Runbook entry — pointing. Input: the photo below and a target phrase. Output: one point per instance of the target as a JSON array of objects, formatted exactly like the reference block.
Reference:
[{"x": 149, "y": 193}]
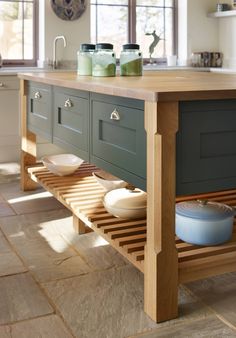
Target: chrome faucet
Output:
[{"x": 54, "y": 61}]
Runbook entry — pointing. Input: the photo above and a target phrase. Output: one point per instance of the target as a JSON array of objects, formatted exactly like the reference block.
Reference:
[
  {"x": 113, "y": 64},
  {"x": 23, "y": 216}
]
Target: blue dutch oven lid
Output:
[{"x": 203, "y": 209}]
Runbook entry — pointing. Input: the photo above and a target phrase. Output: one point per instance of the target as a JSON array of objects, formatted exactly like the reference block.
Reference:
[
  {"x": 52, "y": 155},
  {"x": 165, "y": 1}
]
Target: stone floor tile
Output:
[
  {"x": 21, "y": 298},
  {"x": 93, "y": 248},
  {"x": 41, "y": 202},
  {"x": 11, "y": 189},
  {"x": 97, "y": 252},
  {"x": 24, "y": 202},
  {"x": 45, "y": 252},
  {"x": 4, "y": 246},
  {"x": 110, "y": 303},
  {"x": 1, "y": 198},
  {"x": 210, "y": 327},
  {"x": 219, "y": 293},
  {"x": 44, "y": 327},
  {"x": 32, "y": 226},
  {"x": 10, "y": 264},
  {"x": 6, "y": 210}
]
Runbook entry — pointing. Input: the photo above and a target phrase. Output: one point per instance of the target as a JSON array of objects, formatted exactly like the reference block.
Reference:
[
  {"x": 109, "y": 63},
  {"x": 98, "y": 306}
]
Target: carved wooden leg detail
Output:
[
  {"x": 28, "y": 142},
  {"x": 79, "y": 225},
  {"x": 161, "y": 259}
]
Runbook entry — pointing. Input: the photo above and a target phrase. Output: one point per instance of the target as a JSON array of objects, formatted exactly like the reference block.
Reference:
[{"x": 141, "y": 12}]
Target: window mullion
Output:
[
  {"x": 132, "y": 21},
  {"x": 23, "y": 28}
]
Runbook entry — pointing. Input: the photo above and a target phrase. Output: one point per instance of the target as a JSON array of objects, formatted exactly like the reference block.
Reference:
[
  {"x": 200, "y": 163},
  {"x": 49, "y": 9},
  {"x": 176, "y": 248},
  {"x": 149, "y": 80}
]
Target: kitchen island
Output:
[{"x": 128, "y": 126}]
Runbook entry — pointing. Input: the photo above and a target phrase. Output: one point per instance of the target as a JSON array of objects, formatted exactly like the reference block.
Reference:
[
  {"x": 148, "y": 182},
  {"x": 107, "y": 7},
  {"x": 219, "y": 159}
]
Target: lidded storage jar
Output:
[
  {"x": 85, "y": 59},
  {"x": 131, "y": 62},
  {"x": 104, "y": 60}
]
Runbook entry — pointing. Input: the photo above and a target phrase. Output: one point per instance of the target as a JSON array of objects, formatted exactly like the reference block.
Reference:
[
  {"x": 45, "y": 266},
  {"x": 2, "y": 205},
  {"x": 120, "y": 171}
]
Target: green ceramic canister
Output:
[
  {"x": 131, "y": 61},
  {"x": 104, "y": 60}
]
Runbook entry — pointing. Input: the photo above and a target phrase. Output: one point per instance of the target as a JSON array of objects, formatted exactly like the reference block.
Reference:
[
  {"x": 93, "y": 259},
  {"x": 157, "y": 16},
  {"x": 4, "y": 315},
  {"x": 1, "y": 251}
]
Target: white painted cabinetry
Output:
[{"x": 9, "y": 119}]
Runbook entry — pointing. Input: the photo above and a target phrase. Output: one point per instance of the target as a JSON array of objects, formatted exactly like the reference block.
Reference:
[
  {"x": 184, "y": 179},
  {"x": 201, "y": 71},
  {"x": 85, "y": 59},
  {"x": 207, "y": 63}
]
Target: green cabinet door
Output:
[
  {"x": 118, "y": 137},
  {"x": 71, "y": 121},
  {"x": 206, "y": 146},
  {"x": 39, "y": 112}
]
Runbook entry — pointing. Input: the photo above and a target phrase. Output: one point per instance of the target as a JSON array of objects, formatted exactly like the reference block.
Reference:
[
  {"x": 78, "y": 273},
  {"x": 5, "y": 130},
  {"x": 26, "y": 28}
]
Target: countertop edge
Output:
[{"x": 151, "y": 87}]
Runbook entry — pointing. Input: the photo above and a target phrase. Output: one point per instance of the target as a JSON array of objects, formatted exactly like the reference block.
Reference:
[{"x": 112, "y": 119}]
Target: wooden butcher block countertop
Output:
[{"x": 152, "y": 86}]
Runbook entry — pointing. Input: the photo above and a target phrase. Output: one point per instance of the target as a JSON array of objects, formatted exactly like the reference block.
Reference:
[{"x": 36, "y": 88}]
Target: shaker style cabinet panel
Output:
[
  {"x": 118, "y": 137},
  {"x": 206, "y": 146},
  {"x": 39, "y": 118},
  {"x": 71, "y": 121}
]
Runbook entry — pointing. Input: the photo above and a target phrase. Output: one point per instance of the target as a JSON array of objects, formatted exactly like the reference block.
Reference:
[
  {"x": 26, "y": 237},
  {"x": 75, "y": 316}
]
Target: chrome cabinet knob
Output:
[
  {"x": 68, "y": 103},
  {"x": 2, "y": 84},
  {"x": 115, "y": 115},
  {"x": 37, "y": 95}
]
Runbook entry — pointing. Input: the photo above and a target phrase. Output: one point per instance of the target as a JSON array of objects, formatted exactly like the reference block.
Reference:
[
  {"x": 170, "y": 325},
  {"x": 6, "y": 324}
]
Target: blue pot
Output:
[{"x": 204, "y": 222}]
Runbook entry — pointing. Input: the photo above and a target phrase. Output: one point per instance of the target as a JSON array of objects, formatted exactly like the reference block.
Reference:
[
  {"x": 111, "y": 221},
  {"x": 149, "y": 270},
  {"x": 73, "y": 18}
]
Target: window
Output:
[
  {"x": 123, "y": 21},
  {"x": 18, "y": 31}
]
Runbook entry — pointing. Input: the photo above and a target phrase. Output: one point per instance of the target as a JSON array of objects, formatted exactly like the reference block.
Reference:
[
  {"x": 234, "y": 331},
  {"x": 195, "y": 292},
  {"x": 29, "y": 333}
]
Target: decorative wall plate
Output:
[{"x": 68, "y": 9}]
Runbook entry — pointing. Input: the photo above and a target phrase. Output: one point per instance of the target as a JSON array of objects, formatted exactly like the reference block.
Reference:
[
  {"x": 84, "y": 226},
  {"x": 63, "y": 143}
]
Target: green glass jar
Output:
[
  {"x": 104, "y": 60},
  {"x": 131, "y": 61},
  {"x": 84, "y": 57}
]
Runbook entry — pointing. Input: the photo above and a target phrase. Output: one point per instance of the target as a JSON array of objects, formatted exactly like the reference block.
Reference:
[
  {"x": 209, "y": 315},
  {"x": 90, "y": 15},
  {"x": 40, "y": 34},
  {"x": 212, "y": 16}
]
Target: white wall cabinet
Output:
[{"x": 9, "y": 119}]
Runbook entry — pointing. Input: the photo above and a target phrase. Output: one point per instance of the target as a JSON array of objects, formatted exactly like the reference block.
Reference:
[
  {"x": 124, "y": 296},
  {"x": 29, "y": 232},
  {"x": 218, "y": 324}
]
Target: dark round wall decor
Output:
[{"x": 68, "y": 9}]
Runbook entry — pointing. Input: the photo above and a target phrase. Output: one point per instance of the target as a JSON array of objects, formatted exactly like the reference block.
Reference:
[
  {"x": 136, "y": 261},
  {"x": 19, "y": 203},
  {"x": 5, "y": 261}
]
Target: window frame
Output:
[
  {"x": 30, "y": 62},
  {"x": 132, "y": 28}
]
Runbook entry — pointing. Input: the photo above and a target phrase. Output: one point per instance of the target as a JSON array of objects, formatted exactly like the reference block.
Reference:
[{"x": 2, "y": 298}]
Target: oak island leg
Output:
[
  {"x": 78, "y": 225},
  {"x": 28, "y": 142},
  {"x": 161, "y": 259}
]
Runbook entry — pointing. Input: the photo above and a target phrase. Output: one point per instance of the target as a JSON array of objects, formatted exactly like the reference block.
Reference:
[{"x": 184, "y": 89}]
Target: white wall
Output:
[
  {"x": 210, "y": 34},
  {"x": 196, "y": 31},
  {"x": 227, "y": 40},
  {"x": 76, "y": 32}
]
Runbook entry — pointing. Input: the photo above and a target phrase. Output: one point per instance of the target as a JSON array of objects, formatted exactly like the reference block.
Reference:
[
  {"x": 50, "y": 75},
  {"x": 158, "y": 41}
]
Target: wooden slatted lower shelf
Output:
[{"x": 82, "y": 194}]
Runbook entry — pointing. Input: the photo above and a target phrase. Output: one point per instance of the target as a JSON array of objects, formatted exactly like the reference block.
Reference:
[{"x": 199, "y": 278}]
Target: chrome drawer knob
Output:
[
  {"x": 2, "y": 84},
  {"x": 37, "y": 95},
  {"x": 68, "y": 103},
  {"x": 115, "y": 115}
]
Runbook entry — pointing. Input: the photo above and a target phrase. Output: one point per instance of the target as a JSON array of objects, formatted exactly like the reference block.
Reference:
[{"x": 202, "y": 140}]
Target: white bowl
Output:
[
  {"x": 62, "y": 164},
  {"x": 108, "y": 181}
]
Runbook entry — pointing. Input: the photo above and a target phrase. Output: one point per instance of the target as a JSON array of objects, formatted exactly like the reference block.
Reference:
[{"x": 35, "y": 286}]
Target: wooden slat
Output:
[
  {"x": 200, "y": 252},
  {"x": 131, "y": 239},
  {"x": 134, "y": 247},
  {"x": 138, "y": 255},
  {"x": 127, "y": 232},
  {"x": 206, "y": 267},
  {"x": 122, "y": 226}
]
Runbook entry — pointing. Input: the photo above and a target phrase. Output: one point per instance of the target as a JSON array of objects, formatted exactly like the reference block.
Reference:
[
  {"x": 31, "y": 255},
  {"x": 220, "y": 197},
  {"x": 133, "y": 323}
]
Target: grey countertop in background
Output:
[{"x": 15, "y": 70}]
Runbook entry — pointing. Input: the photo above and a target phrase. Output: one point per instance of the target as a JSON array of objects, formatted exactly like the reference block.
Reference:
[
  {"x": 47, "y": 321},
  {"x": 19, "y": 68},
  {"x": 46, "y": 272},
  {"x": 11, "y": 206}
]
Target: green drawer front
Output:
[
  {"x": 70, "y": 126},
  {"x": 121, "y": 142},
  {"x": 39, "y": 117},
  {"x": 206, "y": 146}
]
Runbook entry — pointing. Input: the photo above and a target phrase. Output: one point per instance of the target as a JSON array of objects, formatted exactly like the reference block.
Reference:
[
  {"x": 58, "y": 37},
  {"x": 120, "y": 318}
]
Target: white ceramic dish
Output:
[
  {"x": 125, "y": 203},
  {"x": 126, "y": 213},
  {"x": 62, "y": 164},
  {"x": 108, "y": 181}
]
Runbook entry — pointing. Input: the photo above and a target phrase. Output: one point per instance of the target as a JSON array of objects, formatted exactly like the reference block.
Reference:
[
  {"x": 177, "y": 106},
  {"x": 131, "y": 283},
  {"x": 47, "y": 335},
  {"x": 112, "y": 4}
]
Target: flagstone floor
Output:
[{"x": 56, "y": 284}]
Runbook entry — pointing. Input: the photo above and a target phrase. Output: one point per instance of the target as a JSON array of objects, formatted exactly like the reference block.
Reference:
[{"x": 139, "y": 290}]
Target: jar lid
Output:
[
  {"x": 126, "y": 199},
  {"x": 86, "y": 46},
  {"x": 203, "y": 209},
  {"x": 104, "y": 46},
  {"x": 131, "y": 46}
]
